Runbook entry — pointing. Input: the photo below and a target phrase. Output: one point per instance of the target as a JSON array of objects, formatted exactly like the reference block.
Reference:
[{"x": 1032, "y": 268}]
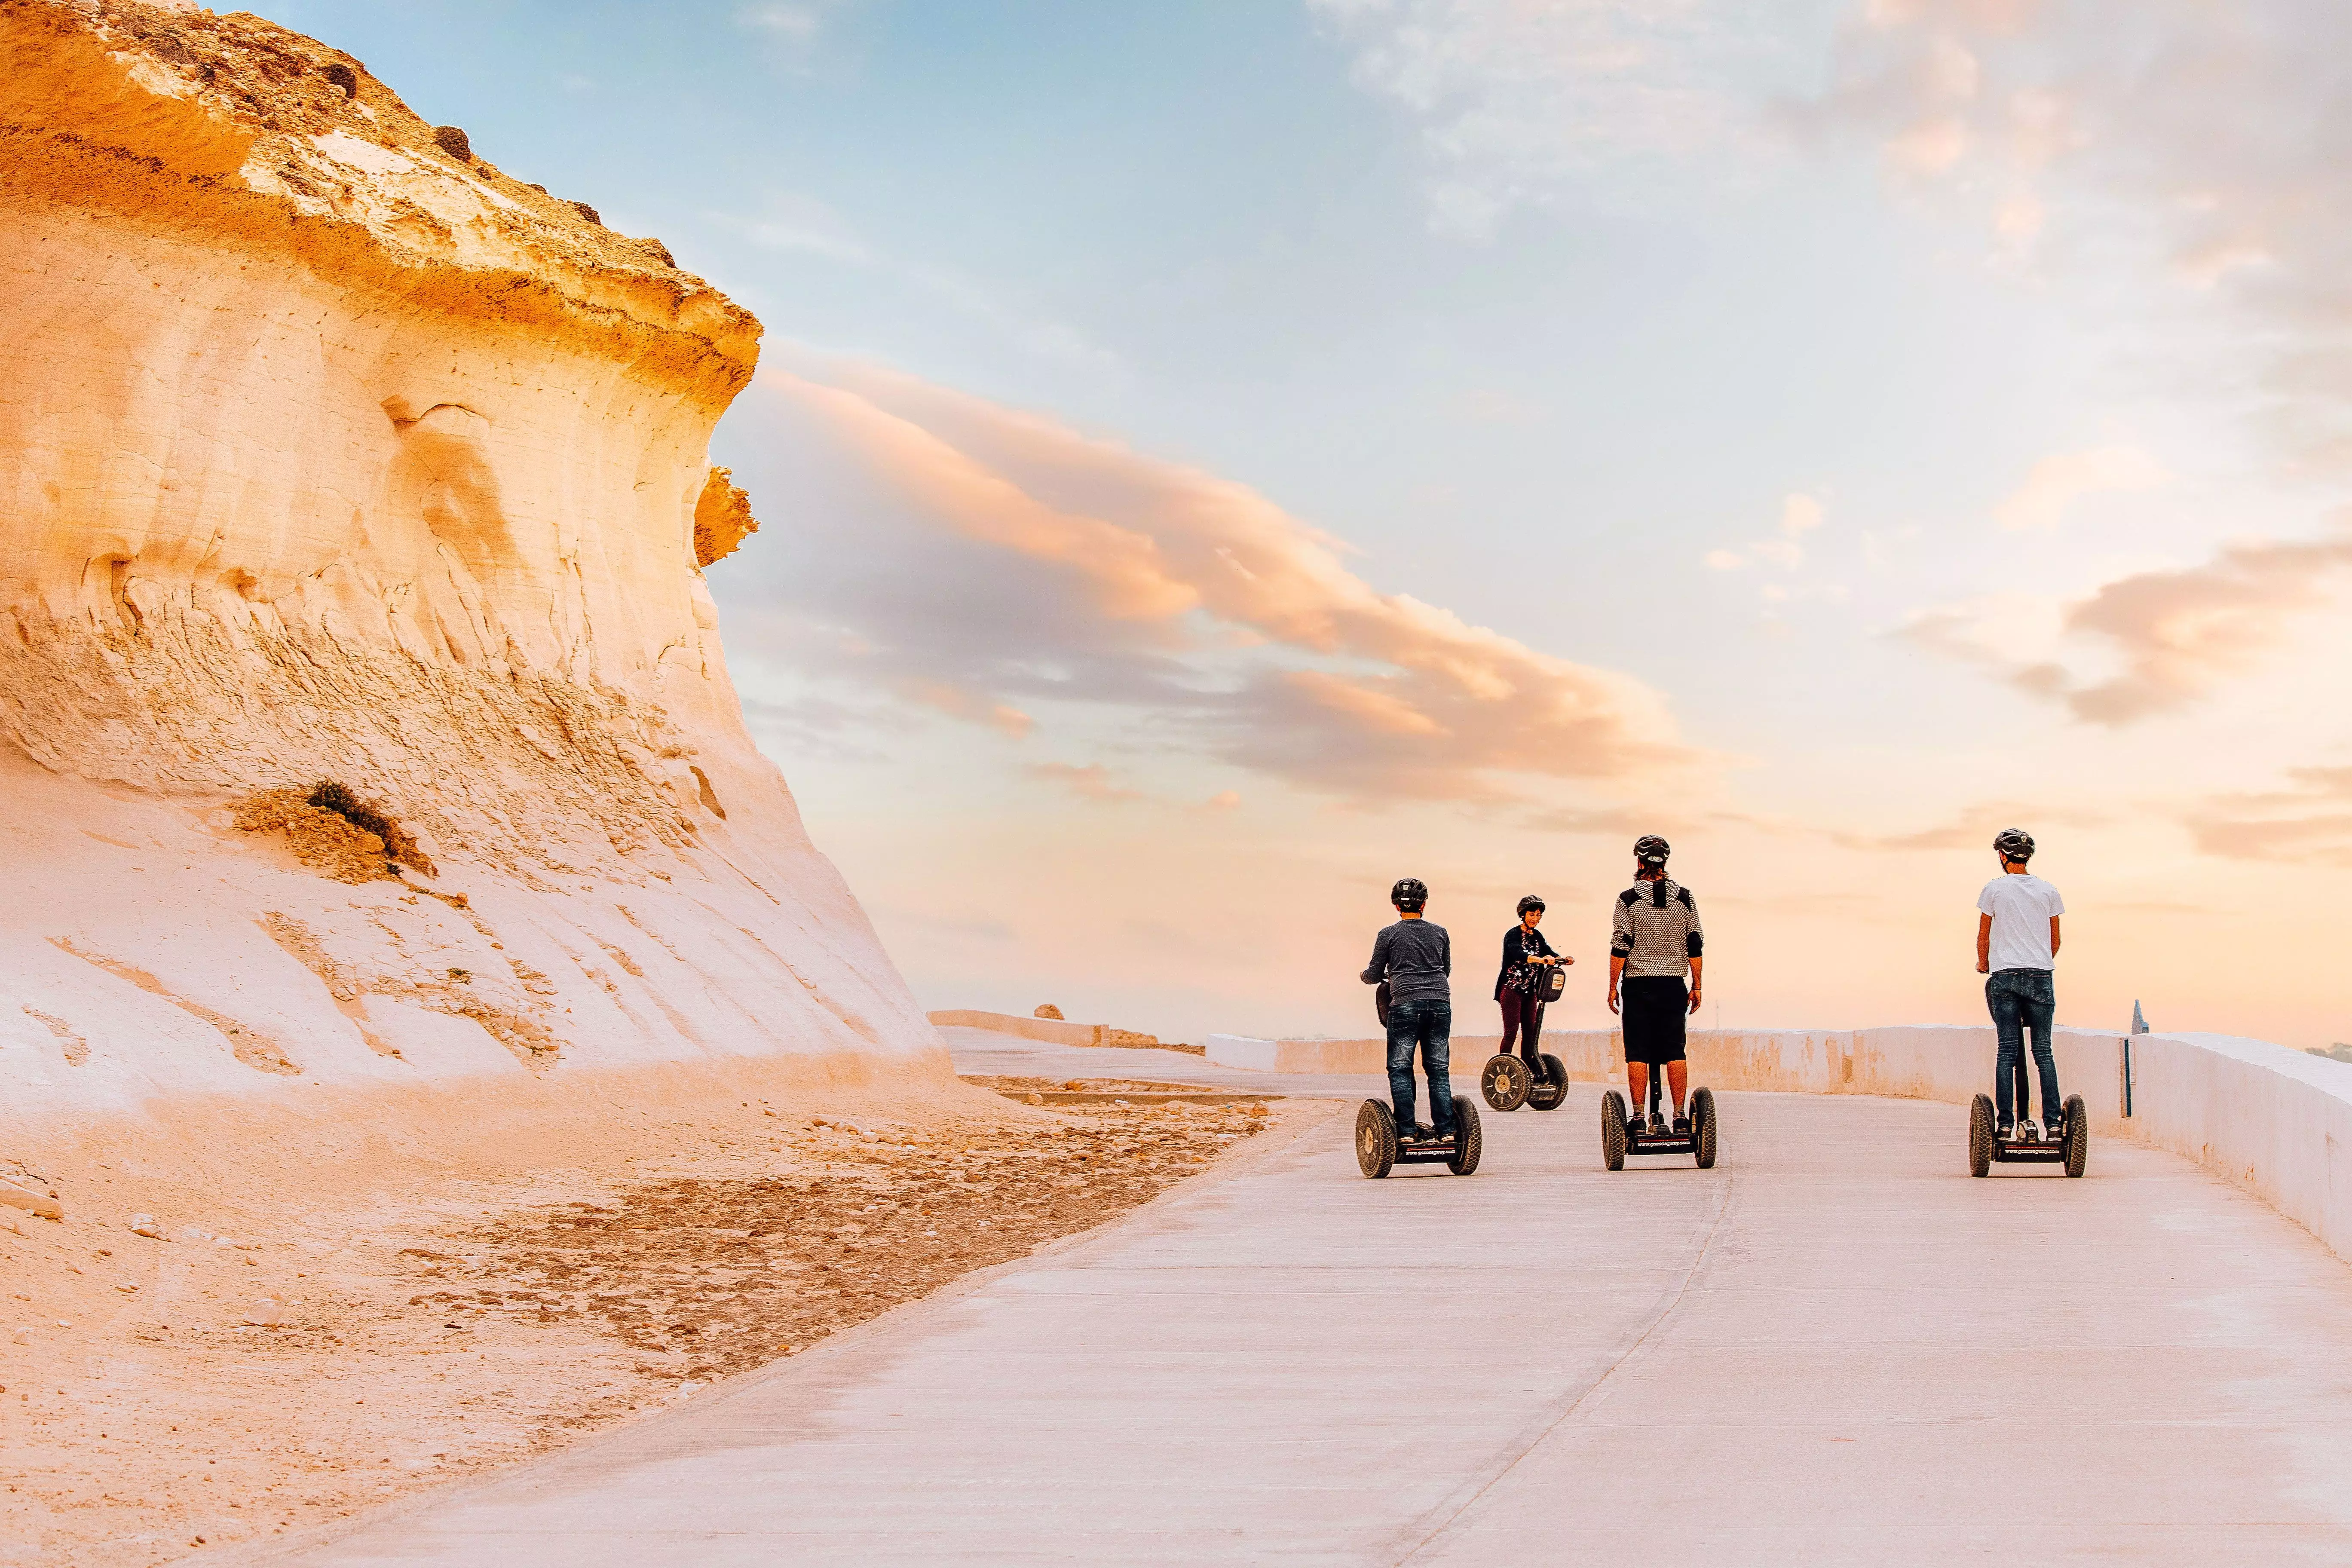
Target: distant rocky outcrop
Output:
[{"x": 333, "y": 453}]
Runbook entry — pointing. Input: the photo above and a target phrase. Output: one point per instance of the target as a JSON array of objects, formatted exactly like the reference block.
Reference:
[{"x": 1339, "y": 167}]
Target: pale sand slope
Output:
[{"x": 330, "y": 452}]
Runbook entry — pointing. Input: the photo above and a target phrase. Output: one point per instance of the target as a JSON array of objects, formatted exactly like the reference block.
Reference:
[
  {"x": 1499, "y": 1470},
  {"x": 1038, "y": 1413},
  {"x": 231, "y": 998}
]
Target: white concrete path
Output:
[{"x": 1834, "y": 1348}]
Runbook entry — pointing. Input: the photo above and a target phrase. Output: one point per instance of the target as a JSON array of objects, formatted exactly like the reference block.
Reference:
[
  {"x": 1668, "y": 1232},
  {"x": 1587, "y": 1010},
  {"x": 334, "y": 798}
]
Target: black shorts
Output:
[{"x": 1656, "y": 1007}]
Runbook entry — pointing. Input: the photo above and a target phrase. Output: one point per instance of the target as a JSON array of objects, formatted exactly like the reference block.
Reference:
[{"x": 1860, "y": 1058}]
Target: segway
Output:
[
  {"x": 1507, "y": 1081},
  {"x": 1507, "y": 1084},
  {"x": 1619, "y": 1139},
  {"x": 1378, "y": 1151},
  {"x": 2025, "y": 1143}
]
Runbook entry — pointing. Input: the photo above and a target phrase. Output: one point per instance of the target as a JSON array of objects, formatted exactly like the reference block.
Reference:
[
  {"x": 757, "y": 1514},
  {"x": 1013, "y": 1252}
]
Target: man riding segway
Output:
[
  {"x": 2017, "y": 951},
  {"x": 1415, "y": 956},
  {"x": 1410, "y": 963},
  {"x": 1654, "y": 941}
]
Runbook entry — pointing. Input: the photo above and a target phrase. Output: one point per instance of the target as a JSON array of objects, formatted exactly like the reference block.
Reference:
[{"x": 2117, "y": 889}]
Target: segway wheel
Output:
[
  {"x": 1980, "y": 1135},
  {"x": 1552, "y": 1092},
  {"x": 1469, "y": 1142},
  {"x": 1376, "y": 1144},
  {"x": 1504, "y": 1082},
  {"x": 1702, "y": 1115},
  {"x": 1613, "y": 1130},
  {"x": 2078, "y": 1136}
]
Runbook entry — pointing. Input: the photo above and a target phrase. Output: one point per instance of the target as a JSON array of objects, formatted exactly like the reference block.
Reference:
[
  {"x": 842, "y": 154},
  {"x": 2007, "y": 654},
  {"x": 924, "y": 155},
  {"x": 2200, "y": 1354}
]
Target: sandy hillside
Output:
[
  {"x": 331, "y": 454},
  {"x": 435, "y": 1028}
]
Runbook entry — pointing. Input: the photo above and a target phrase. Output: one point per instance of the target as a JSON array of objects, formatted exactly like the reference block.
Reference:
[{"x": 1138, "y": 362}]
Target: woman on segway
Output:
[{"x": 1520, "y": 985}]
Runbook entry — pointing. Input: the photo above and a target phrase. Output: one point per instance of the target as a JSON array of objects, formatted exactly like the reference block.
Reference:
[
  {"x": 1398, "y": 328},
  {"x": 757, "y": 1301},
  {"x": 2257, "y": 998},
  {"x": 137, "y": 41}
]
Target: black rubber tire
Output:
[
  {"x": 1469, "y": 1140},
  {"x": 1552, "y": 1092},
  {"x": 2078, "y": 1136},
  {"x": 1504, "y": 1081},
  {"x": 1703, "y": 1126},
  {"x": 1376, "y": 1144},
  {"x": 1613, "y": 1130},
  {"x": 1980, "y": 1135}
]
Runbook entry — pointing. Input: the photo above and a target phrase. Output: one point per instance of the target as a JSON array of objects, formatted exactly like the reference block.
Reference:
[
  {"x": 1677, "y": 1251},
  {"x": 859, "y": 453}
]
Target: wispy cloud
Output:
[
  {"x": 1515, "y": 99},
  {"x": 1800, "y": 515},
  {"x": 796, "y": 23},
  {"x": 2312, "y": 821},
  {"x": 788, "y": 221},
  {"x": 1974, "y": 828},
  {"x": 791, "y": 30},
  {"x": 2155, "y": 641},
  {"x": 1090, "y": 782},
  {"x": 1047, "y": 566},
  {"x": 2058, "y": 481}
]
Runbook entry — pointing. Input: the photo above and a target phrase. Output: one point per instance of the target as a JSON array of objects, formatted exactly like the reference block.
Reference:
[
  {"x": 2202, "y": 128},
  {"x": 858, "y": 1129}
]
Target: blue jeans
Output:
[
  {"x": 2021, "y": 999},
  {"x": 1428, "y": 1023}
]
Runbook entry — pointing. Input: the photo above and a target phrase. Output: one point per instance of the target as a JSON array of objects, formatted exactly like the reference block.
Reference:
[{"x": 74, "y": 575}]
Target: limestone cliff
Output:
[{"x": 331, "y": 454}]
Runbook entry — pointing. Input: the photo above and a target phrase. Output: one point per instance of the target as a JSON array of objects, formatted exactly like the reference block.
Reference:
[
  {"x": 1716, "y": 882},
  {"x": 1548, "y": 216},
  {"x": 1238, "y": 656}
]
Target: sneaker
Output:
[
  {"x": 2058, "y": 1127},
  {"x": 1681, "y": 1126},
  {"x": 2004, "y": 1130}
]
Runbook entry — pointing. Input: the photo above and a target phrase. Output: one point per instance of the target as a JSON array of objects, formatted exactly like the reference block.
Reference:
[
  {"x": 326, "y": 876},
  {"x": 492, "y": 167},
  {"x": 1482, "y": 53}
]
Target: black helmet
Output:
[
  {"x": 2014, "y": 844},
  {"x": 1651, "y": 851},
  {"x": 1530, "y": 902},
  {"x": 1409, "y": 894}
]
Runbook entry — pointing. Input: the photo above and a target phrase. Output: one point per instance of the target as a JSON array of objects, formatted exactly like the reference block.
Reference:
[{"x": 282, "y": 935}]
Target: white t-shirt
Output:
[{"x": 2020, "y": 908}]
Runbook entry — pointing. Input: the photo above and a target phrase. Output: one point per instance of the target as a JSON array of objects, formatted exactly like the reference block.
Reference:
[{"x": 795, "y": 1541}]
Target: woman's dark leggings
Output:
[{"x": 1522, "y": 1012}]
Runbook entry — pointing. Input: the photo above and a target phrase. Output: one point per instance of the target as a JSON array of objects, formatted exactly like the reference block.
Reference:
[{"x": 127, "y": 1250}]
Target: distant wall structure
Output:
[
  {"x": 330, "y": 452},
  {"x": 1049, "y": 1031}
]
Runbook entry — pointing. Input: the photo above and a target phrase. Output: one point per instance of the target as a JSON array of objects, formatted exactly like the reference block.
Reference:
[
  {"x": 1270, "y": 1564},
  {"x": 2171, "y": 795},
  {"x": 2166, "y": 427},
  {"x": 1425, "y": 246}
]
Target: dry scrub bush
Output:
[{"x": 334, "y": 831}]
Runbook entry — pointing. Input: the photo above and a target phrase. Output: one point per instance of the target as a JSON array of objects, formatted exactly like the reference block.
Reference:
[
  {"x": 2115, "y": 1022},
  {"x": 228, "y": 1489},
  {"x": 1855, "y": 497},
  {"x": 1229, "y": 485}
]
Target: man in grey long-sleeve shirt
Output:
[{"x": 1415, "y": 957}]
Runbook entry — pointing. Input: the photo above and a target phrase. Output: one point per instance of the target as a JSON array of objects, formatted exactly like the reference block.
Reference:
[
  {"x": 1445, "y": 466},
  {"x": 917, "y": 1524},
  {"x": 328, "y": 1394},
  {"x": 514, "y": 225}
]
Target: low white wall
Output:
[
  {"x": 1053, "y": 1031},
  {"x": 1250, "y": 1054},
  {"x": 2277, "y": 1122}
]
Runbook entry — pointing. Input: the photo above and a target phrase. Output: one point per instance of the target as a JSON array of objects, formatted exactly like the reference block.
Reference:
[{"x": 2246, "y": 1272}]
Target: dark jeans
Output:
[
  {"x": 2022, "y": 999},
  {"x": 1523, "y": 1020},
  {"x": 1428, "y": 1023}
]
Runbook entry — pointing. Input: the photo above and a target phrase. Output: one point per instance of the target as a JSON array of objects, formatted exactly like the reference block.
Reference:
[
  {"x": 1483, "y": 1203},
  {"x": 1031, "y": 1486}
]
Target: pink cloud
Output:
[
  {"x": 1079, "y": 568},
  {"x": 1091, "y": 783}
]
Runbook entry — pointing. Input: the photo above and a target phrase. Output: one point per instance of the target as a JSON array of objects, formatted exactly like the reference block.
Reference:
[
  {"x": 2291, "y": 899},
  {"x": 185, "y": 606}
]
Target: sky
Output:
[{"x": 1215, "y": 460}]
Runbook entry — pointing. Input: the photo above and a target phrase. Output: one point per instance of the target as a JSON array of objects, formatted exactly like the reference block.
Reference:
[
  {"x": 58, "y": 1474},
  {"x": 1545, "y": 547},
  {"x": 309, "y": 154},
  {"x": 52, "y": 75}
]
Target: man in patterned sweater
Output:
[{"x": 1654, "y": 941}]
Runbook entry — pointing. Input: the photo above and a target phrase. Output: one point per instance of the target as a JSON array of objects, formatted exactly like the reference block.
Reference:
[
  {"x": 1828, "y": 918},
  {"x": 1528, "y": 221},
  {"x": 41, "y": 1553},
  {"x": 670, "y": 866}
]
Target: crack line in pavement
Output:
[{"x": 1541, "y": 1428}]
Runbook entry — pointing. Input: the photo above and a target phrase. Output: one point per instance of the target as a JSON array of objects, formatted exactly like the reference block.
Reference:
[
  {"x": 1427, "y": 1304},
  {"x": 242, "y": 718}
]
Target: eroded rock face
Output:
[{"x": 329, "y": 452}]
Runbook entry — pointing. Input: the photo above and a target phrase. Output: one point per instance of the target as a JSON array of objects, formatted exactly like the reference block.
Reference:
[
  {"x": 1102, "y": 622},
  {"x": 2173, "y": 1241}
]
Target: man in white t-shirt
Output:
[{"x": 2017, "y": 945}]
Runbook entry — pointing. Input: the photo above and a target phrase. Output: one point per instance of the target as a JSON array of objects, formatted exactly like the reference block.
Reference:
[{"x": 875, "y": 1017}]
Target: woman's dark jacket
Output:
[{"x": 1520, "y": 945}]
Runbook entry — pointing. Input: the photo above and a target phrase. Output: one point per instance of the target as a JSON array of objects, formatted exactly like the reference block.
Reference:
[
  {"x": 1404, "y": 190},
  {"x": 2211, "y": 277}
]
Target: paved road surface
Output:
[{"x": 1832, "y": 1348}]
